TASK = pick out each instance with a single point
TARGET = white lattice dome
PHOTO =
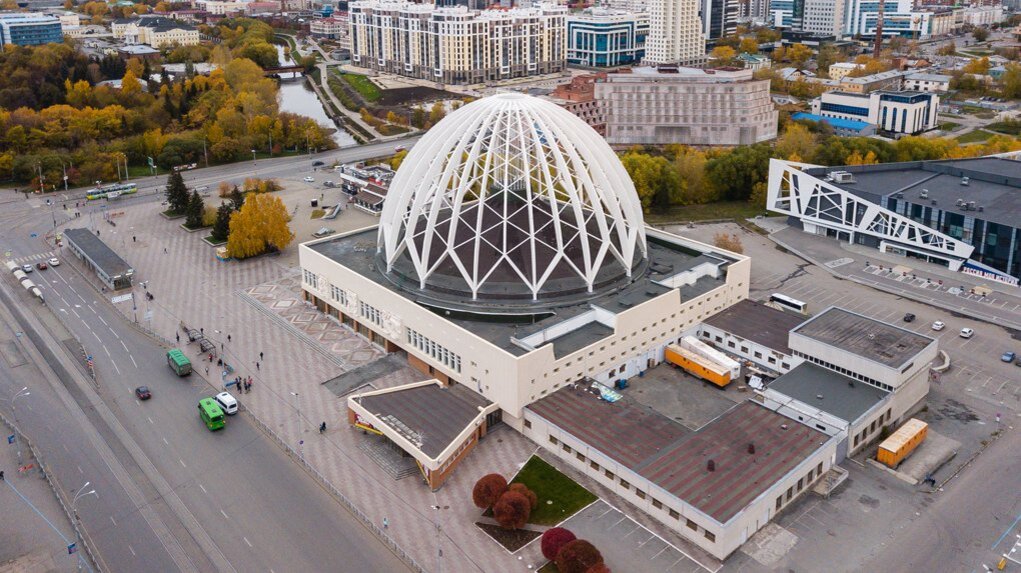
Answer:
(511, 197)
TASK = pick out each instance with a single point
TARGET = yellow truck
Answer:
(698, 365)
(901, 443)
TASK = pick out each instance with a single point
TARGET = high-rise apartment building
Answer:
(824, 17)
(455, 45)
(675, 33)
(597, 37)
(28, 29)
(719, 18)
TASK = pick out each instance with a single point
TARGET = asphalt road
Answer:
(231, 499)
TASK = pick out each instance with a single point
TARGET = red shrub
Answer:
(577, 557)
(533, 500)
(512, 510)
(488, 489)
(553, 539)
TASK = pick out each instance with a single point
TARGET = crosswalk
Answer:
(43, 256)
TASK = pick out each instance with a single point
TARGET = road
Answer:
(231, 500)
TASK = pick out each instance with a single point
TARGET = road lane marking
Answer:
(76, 314)
(225, 516)
(101, 319)
(133, 360)
(80, 470)
(247, 542)
(150, 419)
(132, 550)
(114, 521)
(115, 367)
(203, 489)
(107, 351)
(182, 463)
(166, 442)
(96, 335)
(125, 347)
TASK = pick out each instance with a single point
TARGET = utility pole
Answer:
(204, 154)
(41, 188)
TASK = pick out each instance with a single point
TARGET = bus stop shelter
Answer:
(112, 270)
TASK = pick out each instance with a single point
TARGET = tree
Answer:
(130, 84)
(728, 241)
(259, 226)
(177, 193)
(488, 490)
(978, 66)
(577, 557)
(511, 511)
(437, 113)
(1010, 81)
(799, 54)
(722, 55)
(948, 49)
(553, 539)
(796, 139)
(749, 46)
(237, 199)
(735, 173)
(221, 227)
(533, 500)
(980, 34)
(398, 158)
(196, 206)
(418, 117)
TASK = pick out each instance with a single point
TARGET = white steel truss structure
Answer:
(513, 189)
(816, 201)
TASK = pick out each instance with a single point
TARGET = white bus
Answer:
(788, 302)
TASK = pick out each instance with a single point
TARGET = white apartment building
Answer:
(155, 31)
(899, 112)
(927, 83)
(824, 17)
(840, 70)
(675, 33)
(222, 8)
(983, 15)
(687, 106)
(455, 45)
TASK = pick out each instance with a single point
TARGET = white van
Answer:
(227, 402)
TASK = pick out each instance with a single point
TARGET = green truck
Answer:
(178, 362)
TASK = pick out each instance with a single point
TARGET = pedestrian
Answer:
(1, 475)
(134, 239)
(219, 361)
(250, 383)
(228, 338)
(210, 357)
(178, 335)
(207, 370)
(322, 427)
(221, 347)
(202, 330)
(386, 523)
(257, 366)
(260, 356)
(165, 251)
(97, 232)
(248, 387)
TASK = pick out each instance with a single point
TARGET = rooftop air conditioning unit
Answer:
(924, 194)
(843, 177)
(959, 202)
(965, 181)
(981, 208)
(971, 205)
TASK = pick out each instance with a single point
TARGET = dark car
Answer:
(909, 317)
(143, 393)
(41, 266)
(317, 164)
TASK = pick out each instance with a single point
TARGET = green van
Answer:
(211, 414)
(178, 362)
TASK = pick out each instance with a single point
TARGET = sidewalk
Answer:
(921, 281)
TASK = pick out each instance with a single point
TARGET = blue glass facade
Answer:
(608, 43)
(29, 30)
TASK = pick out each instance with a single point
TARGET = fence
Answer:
(79, 529)
(366, 521)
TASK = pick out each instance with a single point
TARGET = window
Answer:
(790, 493)
(594, 466)
(528, 423)
(709, 535)
(779, 502)
(856, 440)
(609, 474)
(310, 278)
(811, 473)
(553, 440)
(656, 503)
(818, 468)
(758, 354)
(691, 525)
(640, 494)
(338, 294)
(436, 351)
(625, 484)
(801, 484)
(370, 312)
(580, 456)
(567, 448)
(673, 513)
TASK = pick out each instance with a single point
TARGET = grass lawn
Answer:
(1010, 128)
(706, 212)
(550, 485)
(948, 126)
(363, 86)
(975, 136)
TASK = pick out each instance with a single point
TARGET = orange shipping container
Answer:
(697, 365)
(898, 446)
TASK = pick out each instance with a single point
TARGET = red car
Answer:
(41, 266)
(142, 393)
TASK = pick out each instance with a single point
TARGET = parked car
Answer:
(967, 332)
(400, 148)
(909, 317)
(41, 265)
(1008, 356)
(27, 268)
(54, 262)
(143, 393)
(310, 179)
(938, 325)
(317, 164)
(227, 402)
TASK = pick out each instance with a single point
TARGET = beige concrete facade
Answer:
(689, 107)
(675, 33)
(456, 45)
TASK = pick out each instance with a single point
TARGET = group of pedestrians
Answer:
(244, 385)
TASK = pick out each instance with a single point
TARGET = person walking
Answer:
(178, 335)
(322, 427)
(1, 475)
(386, 523)
(257, 366)
(228, 338)
(250, 383)
(260, 356)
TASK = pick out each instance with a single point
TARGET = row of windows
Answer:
(438, 352)
(813, 474)
(862, 436)
(338, 294)
(310, 278)
(744, 349)
(624, 484)
(371, 313)
(845, 371)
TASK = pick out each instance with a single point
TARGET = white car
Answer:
(54, 262)
(227, 402)
(27, 268)
(967, 332)
(310, 179)
(938, 325)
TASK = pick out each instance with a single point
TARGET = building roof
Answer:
(757, 322)
(928, 77)
(880, 77)
(98, 252)
(836, 122)
(431, 415)
(138, 50)
(994, 183)
(881, 342)
(674, 458)
(828, 391)
(163, 24)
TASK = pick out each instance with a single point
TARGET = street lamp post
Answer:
(17, 439)
(74, 510)
(297, 408)
(253, 157)
(439, 533)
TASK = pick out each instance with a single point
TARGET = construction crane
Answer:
(879, 30)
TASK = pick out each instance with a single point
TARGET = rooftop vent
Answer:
(971, 205)
(818, 396)
(981, 208)
(933, 201)
(843, 177)
(959, 202)
(965, 180)
(924, 194)
(710, 465)
(783, 426)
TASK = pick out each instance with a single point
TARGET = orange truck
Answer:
(901, 443)
(698, 365)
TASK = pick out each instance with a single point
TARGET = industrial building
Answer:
(900, 112)
(455, 45)
(97, 256)
(687, 106)
(29, 29)
(961, 213)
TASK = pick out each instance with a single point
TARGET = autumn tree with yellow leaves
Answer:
(260, 226)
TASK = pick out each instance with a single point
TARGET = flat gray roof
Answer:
(497, 322)
(842, 397)
(98, 252)
(757, 322)
(874, 340)
(436, 414)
